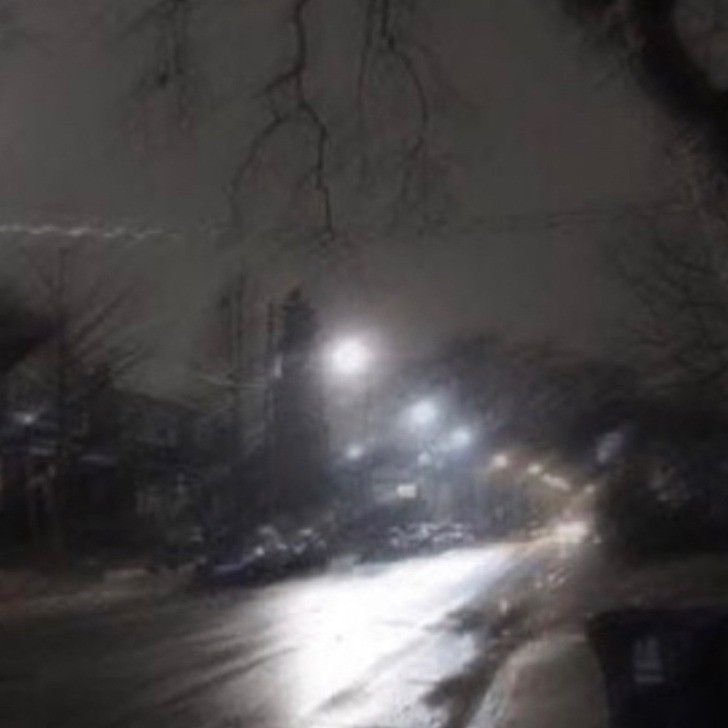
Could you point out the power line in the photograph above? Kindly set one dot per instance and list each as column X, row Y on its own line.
column 593, row 215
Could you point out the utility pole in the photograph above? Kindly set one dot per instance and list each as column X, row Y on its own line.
column 368, row 440
column 270, row 373
column 235, row 325
column 237, row 344
column 271, row 363
column 57, row 483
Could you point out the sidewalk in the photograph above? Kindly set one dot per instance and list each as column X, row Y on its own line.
column 552, row 682
column 25, row 593
column 550, row 677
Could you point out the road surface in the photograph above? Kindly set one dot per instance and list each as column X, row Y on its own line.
column 358, row 649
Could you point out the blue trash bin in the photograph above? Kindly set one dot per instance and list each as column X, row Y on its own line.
column 663, row 668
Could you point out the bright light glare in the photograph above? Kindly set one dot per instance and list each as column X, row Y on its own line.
column 341, row 628
column 571, row 532
column 423, row 413
column 354, row 452
column 535, row 469
column 350, row 357
column 460, row 439
column 407, row 491
column 500, row 461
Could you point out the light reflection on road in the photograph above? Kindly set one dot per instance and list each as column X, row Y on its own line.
column 357, row 637
column 359, row 648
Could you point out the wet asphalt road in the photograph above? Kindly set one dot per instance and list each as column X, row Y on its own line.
column 360, row 649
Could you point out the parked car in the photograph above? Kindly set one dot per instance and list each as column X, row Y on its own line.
column 307, row 550
column 269, row 557
column 417, row 538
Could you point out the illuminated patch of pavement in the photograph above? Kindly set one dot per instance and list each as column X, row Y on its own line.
column 357, row 649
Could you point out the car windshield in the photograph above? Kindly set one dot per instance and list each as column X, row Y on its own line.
column 364, row 363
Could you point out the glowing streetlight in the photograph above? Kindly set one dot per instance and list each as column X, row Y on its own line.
column 571, row 532
column 349, row 357
column 535, row 469
column 557, row 482
column 354, row 452
column 500, row 461
column 422, row 414
column 26, row 418
column 460, row 439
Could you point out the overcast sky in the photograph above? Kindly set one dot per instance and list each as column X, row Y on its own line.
column 546, row 128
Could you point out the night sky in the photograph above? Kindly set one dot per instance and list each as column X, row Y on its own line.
column 547, row 125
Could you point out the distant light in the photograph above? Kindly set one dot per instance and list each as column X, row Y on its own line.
column 500, row 461
column 557, row 482
column 460, row 439
column 424, row 458
column 535, row 469
column 407, row 491
column 571, row 532
column 354, row 452
column 26, row 418
column 422, row 414
column 349, row 357
column 609, row 446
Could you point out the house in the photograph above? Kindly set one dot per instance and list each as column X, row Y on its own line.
column 125, row 454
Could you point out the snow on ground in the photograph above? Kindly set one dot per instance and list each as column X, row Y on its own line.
column 27, row 593
column 550, row 676
column 552, row 682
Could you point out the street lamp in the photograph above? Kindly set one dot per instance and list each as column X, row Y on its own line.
column 349, row 357
column 26, row 418
column 500, row 461
column 460, row 439
column 422, row 414
column 354, row 452
column 557, row 482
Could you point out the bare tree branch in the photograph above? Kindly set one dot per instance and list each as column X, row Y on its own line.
column 171, row 68
column 389, row 36
column 665, row 60
column 289, row 86
column 680, row 326
column 391, row 53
